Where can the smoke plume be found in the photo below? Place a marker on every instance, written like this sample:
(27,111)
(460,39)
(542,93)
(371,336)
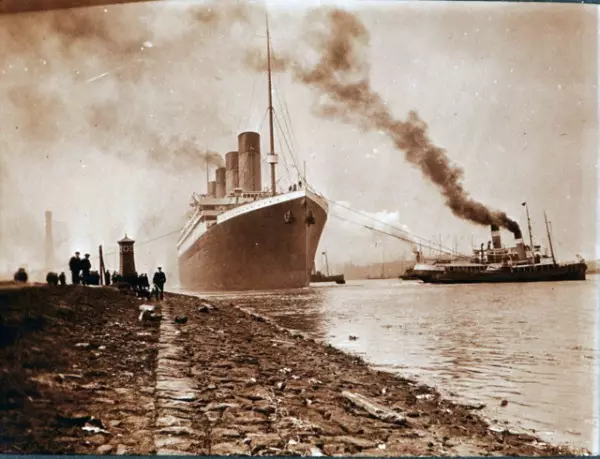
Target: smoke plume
(341,75)
(214,158)
(107,113)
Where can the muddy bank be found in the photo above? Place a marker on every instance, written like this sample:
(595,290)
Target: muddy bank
(80,373)
(264,391)
(76,372)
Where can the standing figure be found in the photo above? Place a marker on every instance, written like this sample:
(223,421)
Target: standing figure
(107,277)
(144,284)
(159,280)
(86,265)
(75,268)
(62,279)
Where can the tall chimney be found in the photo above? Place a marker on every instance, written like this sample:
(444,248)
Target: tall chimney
(49,244)
(220,183)
(231,171)
(496,241)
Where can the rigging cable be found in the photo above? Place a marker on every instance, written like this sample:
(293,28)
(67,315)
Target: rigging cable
(421,240)
(291,148)
(414,236)
(288,146)
(403,238)
(283,109)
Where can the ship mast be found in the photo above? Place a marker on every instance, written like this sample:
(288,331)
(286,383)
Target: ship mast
(549,238)
(271,157)
(326,262)
(207,175)
(530,235)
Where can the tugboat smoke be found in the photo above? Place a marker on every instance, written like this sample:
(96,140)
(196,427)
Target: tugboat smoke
(341,75)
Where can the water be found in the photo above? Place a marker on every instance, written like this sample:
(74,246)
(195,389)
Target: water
(533,345)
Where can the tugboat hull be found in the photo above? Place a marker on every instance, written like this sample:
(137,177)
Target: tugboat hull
(532,273)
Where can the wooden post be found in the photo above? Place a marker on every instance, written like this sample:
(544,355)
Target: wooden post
(102,279)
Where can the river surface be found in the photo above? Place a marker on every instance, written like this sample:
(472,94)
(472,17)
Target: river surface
(534,345)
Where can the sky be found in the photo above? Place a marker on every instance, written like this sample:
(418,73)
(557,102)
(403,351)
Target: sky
(106,112)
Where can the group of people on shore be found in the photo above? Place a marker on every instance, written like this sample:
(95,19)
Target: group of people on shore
(80,269)
(142,286)
(81,273)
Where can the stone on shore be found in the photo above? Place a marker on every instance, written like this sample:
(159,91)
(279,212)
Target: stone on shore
(228,382)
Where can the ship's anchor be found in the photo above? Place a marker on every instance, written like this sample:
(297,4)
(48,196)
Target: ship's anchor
(310,218)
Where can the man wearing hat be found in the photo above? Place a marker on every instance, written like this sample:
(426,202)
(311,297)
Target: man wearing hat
(159,280)
(86,265)
(75,267)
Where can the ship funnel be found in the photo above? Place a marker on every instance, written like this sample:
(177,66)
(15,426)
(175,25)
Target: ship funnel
(220,183)
(231,172)
(249,161)
(212,189)
(496,241)
(520,246)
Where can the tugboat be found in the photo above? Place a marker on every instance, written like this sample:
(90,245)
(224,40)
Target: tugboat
(318,276)
(502,264)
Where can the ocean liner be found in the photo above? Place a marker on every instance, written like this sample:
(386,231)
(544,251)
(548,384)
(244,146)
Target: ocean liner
(241,237)
(496,264)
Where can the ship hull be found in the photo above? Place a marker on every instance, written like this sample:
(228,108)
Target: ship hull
(263,249)
(538,273)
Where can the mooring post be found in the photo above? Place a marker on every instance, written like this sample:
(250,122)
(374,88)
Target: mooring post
(102,277)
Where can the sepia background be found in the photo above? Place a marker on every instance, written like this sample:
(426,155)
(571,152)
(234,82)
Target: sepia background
(106,114)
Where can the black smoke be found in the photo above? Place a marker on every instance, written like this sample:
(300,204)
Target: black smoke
(341,76)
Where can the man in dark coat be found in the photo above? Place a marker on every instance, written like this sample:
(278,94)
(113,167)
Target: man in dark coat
(86,265)
(159,280)
(75,267)
(107,277)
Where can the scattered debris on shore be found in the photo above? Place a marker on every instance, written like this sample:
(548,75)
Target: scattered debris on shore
(95,371)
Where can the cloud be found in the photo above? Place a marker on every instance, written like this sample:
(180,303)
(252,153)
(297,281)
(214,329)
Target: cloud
(108,117)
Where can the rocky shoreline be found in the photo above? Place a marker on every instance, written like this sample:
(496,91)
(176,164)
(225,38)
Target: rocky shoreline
(84,371)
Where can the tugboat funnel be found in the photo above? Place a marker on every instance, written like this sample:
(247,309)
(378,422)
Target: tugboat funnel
(521,249)
(496,241)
